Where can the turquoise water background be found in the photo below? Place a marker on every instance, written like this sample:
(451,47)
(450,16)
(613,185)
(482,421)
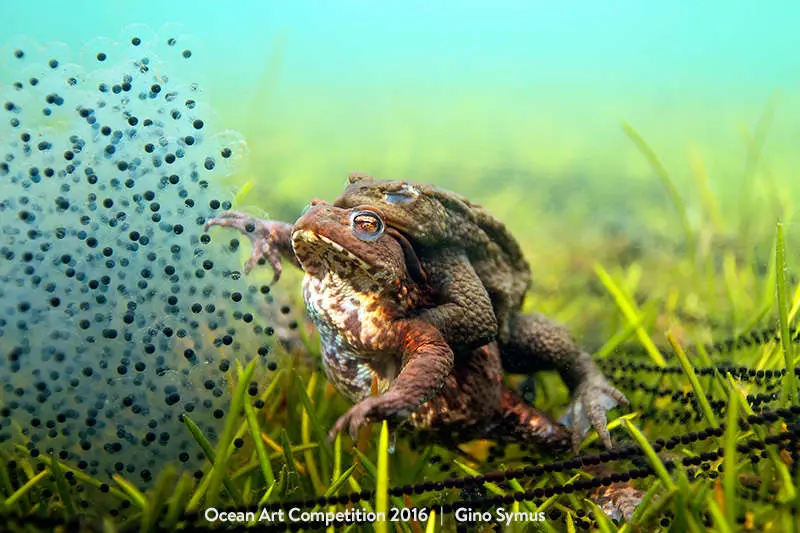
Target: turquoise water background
(467,94)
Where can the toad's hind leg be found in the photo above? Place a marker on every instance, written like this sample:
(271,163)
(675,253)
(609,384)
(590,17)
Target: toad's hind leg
(522,423)
(526,425)
(537,343)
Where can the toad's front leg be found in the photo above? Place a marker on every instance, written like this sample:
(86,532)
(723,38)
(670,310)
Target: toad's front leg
(426,361)
(270,239)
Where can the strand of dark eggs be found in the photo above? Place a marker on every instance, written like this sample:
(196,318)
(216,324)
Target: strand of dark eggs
(784,440)
(623,362)
(682,415)
(704,460)
(627,374)
(585,521)
(630,452)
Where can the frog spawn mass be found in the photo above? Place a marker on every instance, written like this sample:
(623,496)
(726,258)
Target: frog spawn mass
(117,313)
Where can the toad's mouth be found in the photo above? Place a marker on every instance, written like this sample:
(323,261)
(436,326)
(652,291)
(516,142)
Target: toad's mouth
(318,251)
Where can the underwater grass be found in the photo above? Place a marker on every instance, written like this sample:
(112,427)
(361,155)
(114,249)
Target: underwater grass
(790,386)
(666,180)
(690,374)
(729,482)
(382,481)
(628,307)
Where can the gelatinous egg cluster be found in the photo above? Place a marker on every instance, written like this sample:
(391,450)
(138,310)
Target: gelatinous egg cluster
(117,312)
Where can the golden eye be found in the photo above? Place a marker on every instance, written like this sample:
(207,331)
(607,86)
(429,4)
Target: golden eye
(367,225)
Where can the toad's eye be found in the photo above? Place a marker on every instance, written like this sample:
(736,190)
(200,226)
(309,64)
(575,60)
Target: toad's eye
(404,195)
(367,225)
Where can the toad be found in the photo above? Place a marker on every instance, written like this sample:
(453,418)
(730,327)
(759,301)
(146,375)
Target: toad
(362,287)
(482,276)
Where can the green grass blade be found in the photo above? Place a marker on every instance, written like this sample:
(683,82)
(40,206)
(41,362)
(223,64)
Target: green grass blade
(729,481)
(177,504)
(5,479)
(685,511)
(422,462)
(295,449)
(650,454)
(305,434)
(201,439)
(789,381)
(63,488)
(133,493)
(430,527)
(265,498)
(218,472)
(357,488)
(648,313)
(780,467)
(368,465)
(603,522)
(202,490)
(371,470)
(723,525)
(261,452)
(382,485)
(666,180)
(628,308)
(491,487)
(337,470)
(338,482)
(688,369)
(646,500)
(81,476)
(515,485)
(322,437)
(20,493)
(157,500)
(290,480)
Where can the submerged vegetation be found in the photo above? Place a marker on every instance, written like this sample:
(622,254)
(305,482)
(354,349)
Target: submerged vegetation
(691,316)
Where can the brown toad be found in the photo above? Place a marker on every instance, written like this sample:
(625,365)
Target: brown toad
(362,287)
(482,277)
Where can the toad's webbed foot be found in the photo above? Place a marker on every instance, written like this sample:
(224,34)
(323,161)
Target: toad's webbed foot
(370,409)
(591,399)
(268,238)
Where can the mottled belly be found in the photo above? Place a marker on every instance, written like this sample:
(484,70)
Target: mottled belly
(353,350)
